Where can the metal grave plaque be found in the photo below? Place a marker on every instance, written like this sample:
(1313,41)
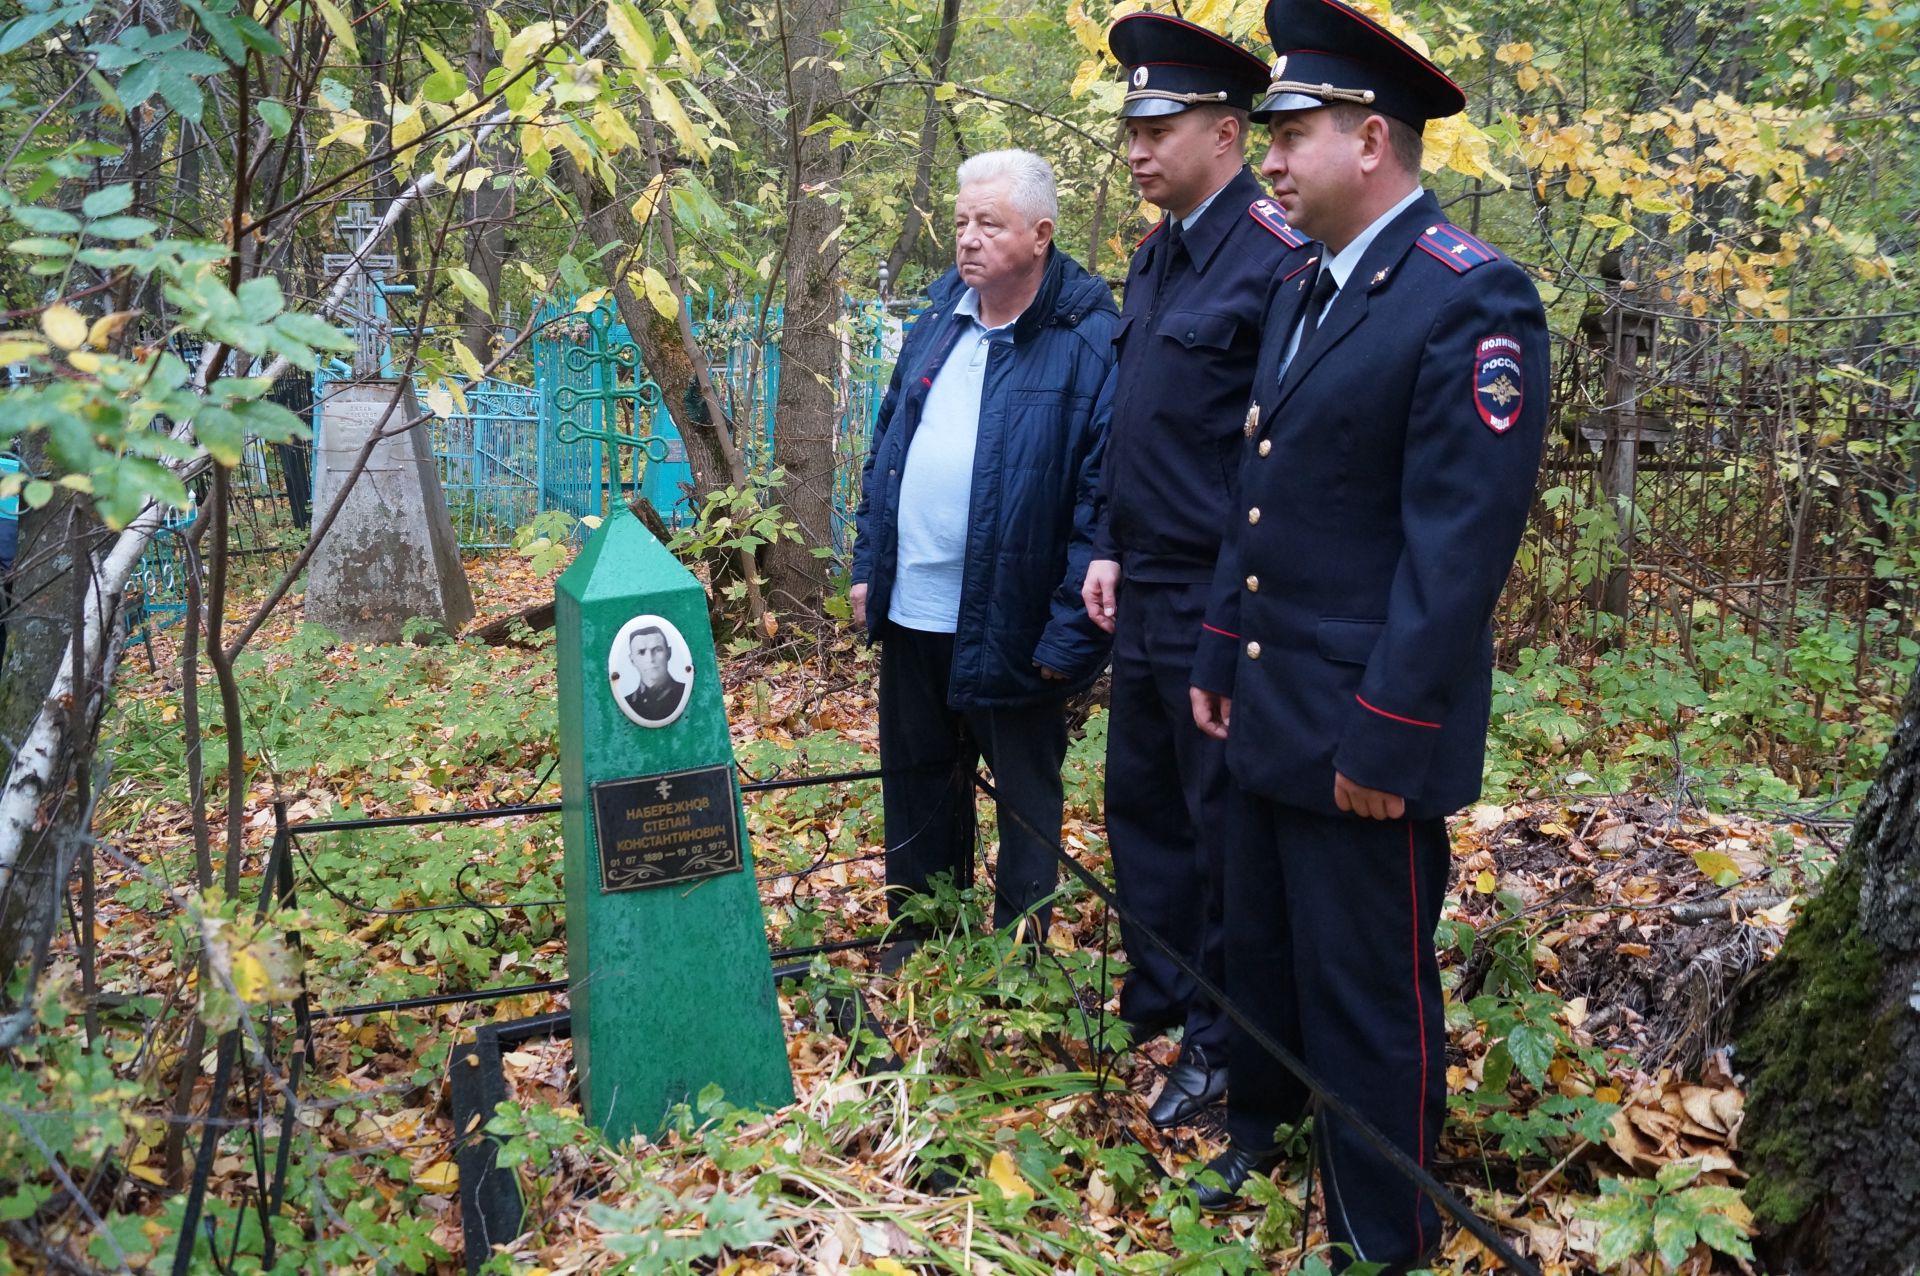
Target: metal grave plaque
(654,830)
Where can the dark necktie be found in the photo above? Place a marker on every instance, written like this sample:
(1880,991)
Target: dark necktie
(1323,289)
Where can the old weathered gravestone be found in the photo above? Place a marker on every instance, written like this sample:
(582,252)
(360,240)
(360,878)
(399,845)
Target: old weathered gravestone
(671,981)
(391,555)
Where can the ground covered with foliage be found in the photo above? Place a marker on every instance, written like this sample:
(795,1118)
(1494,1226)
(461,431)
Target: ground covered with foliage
(990,1115)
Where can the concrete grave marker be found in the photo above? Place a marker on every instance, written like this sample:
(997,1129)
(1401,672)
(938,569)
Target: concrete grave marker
(672,985)
(392,554)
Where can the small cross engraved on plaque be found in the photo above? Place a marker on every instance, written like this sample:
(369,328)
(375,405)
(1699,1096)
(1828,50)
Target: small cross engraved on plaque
(664,789)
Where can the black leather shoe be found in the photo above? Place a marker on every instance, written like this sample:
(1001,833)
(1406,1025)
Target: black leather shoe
(1234,1167)
(1192,1084)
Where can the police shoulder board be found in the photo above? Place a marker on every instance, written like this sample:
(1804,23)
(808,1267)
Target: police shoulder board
(1268,214)
(1459,250)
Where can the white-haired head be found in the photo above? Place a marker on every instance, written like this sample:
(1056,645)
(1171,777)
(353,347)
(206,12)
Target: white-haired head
(1029,180)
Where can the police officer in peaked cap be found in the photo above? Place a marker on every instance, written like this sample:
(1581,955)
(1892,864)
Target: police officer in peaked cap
(1189,331)
(1393,440)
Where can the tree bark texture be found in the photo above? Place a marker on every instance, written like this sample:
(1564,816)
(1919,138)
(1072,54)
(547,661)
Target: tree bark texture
(921,206)
(39,640)
(488,210)
(1829,1037)
(807,410)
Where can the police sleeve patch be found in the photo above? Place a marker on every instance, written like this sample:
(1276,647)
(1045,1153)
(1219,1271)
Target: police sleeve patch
(1268,214)
(1498,386)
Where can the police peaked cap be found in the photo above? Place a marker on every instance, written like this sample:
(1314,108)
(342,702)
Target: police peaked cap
(1329,52)
(1173,65)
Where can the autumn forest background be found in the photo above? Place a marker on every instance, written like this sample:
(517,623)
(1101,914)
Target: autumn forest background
(1683,939)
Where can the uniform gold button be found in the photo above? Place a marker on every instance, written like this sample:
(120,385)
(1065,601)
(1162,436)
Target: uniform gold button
(1266,446)
(1253,651)
(1253,515)
(1253,584)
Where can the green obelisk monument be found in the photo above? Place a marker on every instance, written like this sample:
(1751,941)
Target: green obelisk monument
(671,983)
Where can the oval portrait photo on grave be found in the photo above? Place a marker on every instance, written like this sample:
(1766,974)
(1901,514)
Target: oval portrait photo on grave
(650,670)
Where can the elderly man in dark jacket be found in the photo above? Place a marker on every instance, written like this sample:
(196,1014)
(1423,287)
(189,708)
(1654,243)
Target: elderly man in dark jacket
(975,529)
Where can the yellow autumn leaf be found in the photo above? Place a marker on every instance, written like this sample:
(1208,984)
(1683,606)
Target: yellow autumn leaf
(572,143)
(660,293)
(441,1176)
(87,361)
(64,326)
(890,1266)
(1552,829)
(590,301)
(349,128)
(440,399)
(643,207)
(1717,867)
(1211,14)
(688,56)
(106,327)
(1087,76)
(468,360)
(148,1174)
(1006,1176)
(1485,883)
(525,43)
(629,32)
(408,124)
(1086,30)
(615,133)
(14,349)
(251,980)
(666,108)
(337,23)
(1519,51)
(704,14)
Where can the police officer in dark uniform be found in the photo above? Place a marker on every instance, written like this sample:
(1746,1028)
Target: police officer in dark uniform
(1189,332)
(1395,434)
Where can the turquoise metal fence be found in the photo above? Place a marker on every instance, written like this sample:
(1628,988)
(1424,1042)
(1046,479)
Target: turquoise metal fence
(592,379)
(593,428)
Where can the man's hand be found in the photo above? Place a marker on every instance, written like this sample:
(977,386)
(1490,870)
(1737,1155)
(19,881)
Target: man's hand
(1371,804)
(1211,712)
(1101,593)
(858,596)
(1051,675)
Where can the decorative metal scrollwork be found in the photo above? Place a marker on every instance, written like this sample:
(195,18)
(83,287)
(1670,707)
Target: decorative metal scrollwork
(616,375)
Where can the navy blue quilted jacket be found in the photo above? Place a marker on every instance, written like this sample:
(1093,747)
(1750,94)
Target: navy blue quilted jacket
(1036,467)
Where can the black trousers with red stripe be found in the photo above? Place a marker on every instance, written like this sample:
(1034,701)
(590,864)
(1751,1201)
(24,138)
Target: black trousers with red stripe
(1330,923)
